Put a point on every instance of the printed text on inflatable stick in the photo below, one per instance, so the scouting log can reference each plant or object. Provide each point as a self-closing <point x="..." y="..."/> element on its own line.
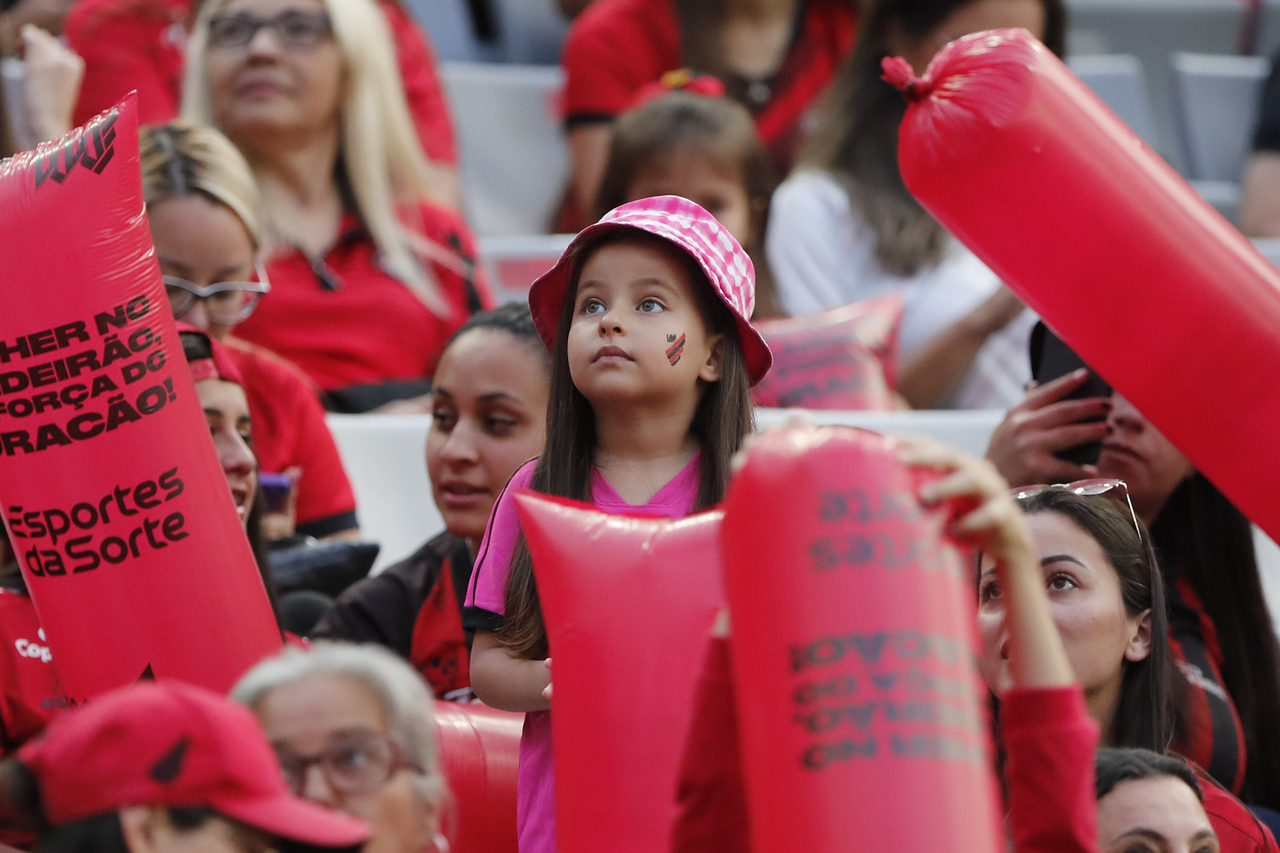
<point x="885" y="694"/>
<point x="81" y="379"/>
<point x="111" y="528"/>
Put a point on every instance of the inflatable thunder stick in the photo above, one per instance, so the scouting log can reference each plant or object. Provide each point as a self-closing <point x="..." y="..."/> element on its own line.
<point x="628" y="604"/>
<point x="480" y="753"/>
<point x="1154" y="289"/>
<point x="113" y="497"/>
<point x="862" y="717"/>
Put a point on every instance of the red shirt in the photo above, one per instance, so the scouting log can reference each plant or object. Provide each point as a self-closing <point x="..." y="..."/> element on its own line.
<point x="617" y="46"/>
<point x="141" y="44"/>
<point x="359" y="325"/>
<point x="29" y="691"/>
<point x="289" y="430"/>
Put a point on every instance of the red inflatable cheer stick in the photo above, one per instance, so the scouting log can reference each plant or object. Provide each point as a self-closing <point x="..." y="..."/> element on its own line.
<point x="1021" y="162"/>
<point x="480" y="753"/>
<point x="628" y="604"/>
<point x="112" y="493"/>
<point x="862" y="716"/>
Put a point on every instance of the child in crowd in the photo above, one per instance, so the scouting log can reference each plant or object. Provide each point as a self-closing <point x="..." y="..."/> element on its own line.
<point x="696" y="143"/>
<point x="489" y="403"/>
<point x="646" y="314"/>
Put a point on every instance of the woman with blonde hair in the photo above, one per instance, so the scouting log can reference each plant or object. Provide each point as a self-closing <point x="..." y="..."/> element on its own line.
<point x="369" y="275"/>
<point x="206" y="222"/>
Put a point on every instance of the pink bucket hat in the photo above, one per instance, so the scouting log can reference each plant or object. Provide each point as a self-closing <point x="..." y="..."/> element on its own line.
<point x="690" y="228"/>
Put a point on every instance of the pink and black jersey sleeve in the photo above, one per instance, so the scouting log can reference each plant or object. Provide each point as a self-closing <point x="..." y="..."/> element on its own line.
<point x="484" y="605"/>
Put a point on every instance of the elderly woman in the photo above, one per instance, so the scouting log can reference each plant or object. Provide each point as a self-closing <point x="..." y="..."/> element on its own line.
<point x="353" y="728"/>
<point x="369" y="278"/>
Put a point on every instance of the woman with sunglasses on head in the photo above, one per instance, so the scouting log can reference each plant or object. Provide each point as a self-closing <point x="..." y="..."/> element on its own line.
<point x="353" y="728"/>
<point x="369" y="277"/>
<point x="1220" y="628"/>
<point x="203" y="208"/>
<point x="1107" y="600"/>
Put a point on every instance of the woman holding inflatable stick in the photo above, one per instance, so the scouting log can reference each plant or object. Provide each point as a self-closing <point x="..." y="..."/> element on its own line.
<point x="1047" y="733"/>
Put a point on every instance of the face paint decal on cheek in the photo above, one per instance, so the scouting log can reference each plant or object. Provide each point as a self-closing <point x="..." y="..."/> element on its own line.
<point x="675" y="350"/>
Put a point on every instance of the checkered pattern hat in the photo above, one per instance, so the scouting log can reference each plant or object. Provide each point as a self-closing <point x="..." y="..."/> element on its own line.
<point x="692" y="229"/>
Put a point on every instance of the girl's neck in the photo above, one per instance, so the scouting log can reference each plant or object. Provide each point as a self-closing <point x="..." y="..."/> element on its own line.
<point x="300" y="193"/>
<point x="638" y="456"/>
<point x="1102" y="703"/>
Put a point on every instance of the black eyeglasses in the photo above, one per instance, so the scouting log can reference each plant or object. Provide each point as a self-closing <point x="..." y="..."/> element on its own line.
<point x="1095" y="486"/>
<point x="356" y="763"/>
<point x="295" y="29"/>
<point x="227" y="302"/>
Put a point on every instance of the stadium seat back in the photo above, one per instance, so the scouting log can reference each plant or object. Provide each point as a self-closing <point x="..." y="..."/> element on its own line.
<point x="514" y="158"/>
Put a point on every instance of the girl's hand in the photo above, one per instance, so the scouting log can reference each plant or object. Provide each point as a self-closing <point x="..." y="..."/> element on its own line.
<point x="1043" y="424"/>
<point x="52" y="83"/>
<point x="995" y="525"/>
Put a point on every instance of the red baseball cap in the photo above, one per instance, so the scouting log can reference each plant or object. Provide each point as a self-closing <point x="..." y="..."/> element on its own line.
<point x="220" y="366"/>
<point x="690" y="228"/>
<point x="173" y="744"/>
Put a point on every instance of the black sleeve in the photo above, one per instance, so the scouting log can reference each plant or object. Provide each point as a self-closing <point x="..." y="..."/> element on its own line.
<point x="330" y="525"/>
<point x="1267" y="137"/>
<point x="375" y="610"/>
<point x="478" y="619"/>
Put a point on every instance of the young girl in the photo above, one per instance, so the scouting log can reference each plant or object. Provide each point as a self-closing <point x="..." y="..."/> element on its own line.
<point x="691" y="141"/>
<point x="646" y="317"/>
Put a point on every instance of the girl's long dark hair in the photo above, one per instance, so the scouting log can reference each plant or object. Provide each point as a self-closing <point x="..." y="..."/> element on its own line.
<point x="1149" y="714"/>
<point x="856" y="139"/>
<point x="1209" y="542"/>
<point x="721" y="422"/>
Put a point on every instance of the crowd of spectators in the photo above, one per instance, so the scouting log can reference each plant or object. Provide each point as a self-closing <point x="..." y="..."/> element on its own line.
<point x="301" y="180"/>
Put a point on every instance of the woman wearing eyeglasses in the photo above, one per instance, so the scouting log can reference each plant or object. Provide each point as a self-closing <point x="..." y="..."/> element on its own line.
<point x="1220" y="627"/>
<point x="202" y="205"/>
<point x="369" y="278"/>
<point x="353" y="728"/>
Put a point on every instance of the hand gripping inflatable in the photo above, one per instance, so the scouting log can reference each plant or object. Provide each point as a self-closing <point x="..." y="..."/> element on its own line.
<point x="1021" y="162"/>
<point x="628" y="603"/>
<point x="862" y="716"/>
<point x="112" y="493"/>
<point x="845" y="358"/>
<point x="479" y="751"/>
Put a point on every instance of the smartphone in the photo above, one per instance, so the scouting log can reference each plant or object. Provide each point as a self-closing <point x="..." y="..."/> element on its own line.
<point x="1051" y="358"/>
<point x="275" y="490"/>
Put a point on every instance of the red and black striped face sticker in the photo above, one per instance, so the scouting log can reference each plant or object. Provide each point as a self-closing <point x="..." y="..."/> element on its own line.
<point x="675" y="350"/>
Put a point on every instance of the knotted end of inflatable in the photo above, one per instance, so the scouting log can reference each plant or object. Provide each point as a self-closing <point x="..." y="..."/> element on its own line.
<point x="899" y="74"/>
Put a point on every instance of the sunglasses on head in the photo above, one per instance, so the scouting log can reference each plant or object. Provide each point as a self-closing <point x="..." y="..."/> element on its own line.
<point x="1095" y="486"/>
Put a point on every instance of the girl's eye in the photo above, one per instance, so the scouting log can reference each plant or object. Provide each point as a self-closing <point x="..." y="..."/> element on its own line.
<point x="442" y="419"/>
<point x="989" y="591"/>
<point x="592" y="306"/>
<point x="650" y="306"/>
<point x="246" y="435"/>
<point x="1061" y="582"/>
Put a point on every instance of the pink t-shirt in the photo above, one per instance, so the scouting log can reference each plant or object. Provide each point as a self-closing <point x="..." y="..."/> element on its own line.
<point x="535" y="808"/>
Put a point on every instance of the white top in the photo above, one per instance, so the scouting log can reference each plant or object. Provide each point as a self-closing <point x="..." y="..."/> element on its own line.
<point x="822" y="253"/>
